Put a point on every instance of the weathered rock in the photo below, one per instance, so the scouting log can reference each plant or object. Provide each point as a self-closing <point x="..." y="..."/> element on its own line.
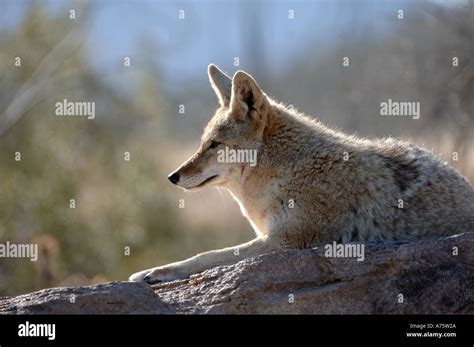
<point x="430" y="278"/>
<point x="108" y="298"/>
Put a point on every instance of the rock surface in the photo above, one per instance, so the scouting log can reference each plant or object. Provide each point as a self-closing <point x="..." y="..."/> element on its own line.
<point x="425" y="275"/>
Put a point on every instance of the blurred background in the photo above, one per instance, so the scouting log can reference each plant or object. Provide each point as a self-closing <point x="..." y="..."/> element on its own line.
<point x="128" y="217"/>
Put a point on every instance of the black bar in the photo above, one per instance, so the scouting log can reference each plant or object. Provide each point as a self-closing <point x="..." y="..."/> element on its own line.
<point x="318" y="330"/>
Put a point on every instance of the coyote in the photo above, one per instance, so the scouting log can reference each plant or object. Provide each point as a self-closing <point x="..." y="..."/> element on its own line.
<point x="311" y="184"/>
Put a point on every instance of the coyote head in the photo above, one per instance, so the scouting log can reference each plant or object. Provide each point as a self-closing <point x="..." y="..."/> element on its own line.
<point x="232" y="137"/>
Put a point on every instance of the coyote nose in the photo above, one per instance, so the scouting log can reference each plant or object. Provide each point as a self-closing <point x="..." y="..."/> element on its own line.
<point x="174" y="177"/>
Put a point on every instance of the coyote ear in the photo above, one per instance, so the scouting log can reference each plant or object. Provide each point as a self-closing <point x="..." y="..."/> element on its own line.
<point x="221" y="83"/>
<point x="247" y="96"/>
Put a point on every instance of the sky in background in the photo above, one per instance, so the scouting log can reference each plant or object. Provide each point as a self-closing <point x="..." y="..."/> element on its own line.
<point x="217" y="31"/>
<point x="212" y="30"/>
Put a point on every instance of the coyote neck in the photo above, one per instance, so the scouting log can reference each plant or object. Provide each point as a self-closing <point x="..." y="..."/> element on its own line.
<point x="259" y="188"/>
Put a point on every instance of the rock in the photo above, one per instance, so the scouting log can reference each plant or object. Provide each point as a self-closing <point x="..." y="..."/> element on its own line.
<point x="422" y="277"/>
<point x="108" y="298"/>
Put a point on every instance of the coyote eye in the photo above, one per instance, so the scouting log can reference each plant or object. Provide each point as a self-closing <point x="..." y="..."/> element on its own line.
<point x="214" y="144"/>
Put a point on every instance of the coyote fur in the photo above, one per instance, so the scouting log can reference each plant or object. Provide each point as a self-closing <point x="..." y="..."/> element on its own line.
<point x="311" y="184"/>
